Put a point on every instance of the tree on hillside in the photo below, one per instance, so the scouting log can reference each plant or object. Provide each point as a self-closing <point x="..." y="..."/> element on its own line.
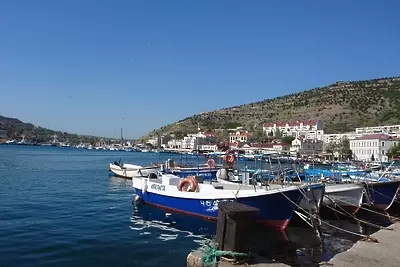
<point x="271" y="133"/>
<point x="179" y="135"/>
<point x="342" y="148"/>
<point x="278" y="133"/>
<point x="258" y="135"/>
<point x="331" y="148"/>
<point x="394" y="151"/>
<point x="167" y="138"/>
<point x="288" y="139"/>
<point x="222" y="136"/>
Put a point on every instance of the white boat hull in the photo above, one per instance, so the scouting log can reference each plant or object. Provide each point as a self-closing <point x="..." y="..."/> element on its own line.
<point x="346" y="196"/>
<point x="313" y="200"/>
<point x="310" y="202"/>
<point x="130" y="170"/>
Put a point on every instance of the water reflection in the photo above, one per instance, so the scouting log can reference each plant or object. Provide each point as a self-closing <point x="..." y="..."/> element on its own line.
<point x="170" y="226"/>
<point x="297" y="246"/>
<point x="118" y="182"/>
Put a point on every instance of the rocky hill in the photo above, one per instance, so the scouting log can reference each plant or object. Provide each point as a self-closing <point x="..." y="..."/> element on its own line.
<point x="16" y="129"/>
<point x="343" y="106"/>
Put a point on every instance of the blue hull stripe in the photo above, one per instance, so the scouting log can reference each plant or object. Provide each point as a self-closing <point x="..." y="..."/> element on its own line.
<point x="275" y="209"/>
<point x="382" y="194"/>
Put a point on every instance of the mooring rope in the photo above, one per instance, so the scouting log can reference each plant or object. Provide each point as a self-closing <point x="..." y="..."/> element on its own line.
<point x="372" y="211"/>
<point x="346" y="213"/>
<point x="212" y="255"/>
<point x="333" y="226"/>
<point x="395" y="200"/>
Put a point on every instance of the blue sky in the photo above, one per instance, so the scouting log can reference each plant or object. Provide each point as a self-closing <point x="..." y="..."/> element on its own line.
<point x="92" y="67"/>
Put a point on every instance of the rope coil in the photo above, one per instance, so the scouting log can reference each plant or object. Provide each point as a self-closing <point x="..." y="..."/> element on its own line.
<point x="212" y="255"/>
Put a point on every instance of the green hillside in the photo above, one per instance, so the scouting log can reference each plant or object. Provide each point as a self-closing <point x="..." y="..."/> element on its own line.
<point x="343" y="106"/>
<point x="16" y="129"/>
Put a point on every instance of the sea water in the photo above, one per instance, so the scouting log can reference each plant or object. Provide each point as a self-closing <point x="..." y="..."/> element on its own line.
<point x="60" y="207"/>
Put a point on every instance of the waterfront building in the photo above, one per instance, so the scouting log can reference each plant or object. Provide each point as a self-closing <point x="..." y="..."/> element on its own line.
<point x="306" y="147"/>
<point x="308" y="129"/>
<point x="372" y="147"/>
<point x="154" y="141"/>
<point x="338" y="138"/>
<point x="174" y="143"/>
<point x="281" y="147"/>
<point x="209" y="147"/>
<point x="392" y="130"/>
<point x="239" y="136"/>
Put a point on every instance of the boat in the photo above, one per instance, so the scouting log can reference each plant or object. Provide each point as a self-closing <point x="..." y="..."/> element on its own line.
<point x="332" y="172"/>
<point x="313" y="192"/>
<point x="201" y="199"/>
<point x="380" y="195"/>
<point x="208" y="170"/>
<point x="347" y="196"/>
<point x="126" y="170"/>
<point x="204" y="171"/>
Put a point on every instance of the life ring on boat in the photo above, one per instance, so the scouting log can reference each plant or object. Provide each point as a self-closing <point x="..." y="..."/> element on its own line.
<point x="230" y="156"/>
<point x="211" y="163"/>
<point x="193" y="184"/>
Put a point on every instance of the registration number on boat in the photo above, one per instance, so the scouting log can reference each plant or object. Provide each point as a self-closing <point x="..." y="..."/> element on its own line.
<point x="158" y="187"/>
<point x="210" y="203"/>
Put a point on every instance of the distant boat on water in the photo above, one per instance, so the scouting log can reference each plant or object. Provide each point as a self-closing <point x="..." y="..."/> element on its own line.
<point x="126" y="170"/>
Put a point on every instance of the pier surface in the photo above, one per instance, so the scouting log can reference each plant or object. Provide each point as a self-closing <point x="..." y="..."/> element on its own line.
<point x="383" y="253"/>
<point x="194" y="260"/>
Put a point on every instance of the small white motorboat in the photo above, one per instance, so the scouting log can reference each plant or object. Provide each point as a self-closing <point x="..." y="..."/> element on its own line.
<point x="126" y="170"/>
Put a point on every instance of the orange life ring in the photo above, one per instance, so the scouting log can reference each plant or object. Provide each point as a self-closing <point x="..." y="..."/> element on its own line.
<point x="192" y="184"/>
<point x="211" y="163"/>
<point x="230" y="156"/>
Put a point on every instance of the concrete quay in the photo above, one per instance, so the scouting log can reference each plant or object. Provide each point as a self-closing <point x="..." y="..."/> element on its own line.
<point x="382" y="250"/>
<point x="194" y="260"/>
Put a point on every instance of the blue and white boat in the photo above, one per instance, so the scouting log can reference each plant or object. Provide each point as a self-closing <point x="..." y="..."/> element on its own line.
<point x="276" y="205"/>
<point x="313" y="193"/>
<point x="204" y="171"/>
<point x="378" y="192"/>
<point x="207" y="171"/>
<point x="380" y="195"/>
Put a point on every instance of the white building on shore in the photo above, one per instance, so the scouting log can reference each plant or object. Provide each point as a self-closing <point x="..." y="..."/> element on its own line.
<point x="209" y="147"/>
<point x="372" y="147"/>
<point x="154" y="141"/>
<point x="392" y="130"/>
<point x="308" y="129"/>
<point x="174" y="143"/>
<point x="192" y="141"/>
<point x="338" y="138"/>
<point x="306" y="147"/>
<point x="239" y="136"/>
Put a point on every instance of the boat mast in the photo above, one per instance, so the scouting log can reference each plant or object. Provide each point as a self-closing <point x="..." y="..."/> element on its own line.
<point x="122" y="137"/>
